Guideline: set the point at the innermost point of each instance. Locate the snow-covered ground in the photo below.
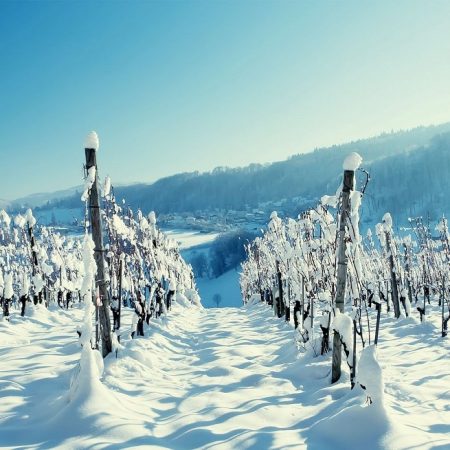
(227, 378)
(227, 286)
(189, 239)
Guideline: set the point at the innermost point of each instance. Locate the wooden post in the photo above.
(444, 321)
(34, 259)
(302, 304)
(120, 295)
(261, 293)
(353, 370)
(280, 309)
(287, 315)
(274, 298)
(297, 310)
(377, 328)
(408, 274)
(97, 236)
(349, 177)
(96, 299)
(394, 286)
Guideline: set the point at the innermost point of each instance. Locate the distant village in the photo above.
(217, 220)
(221, 220)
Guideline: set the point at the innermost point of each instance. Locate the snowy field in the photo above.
(189, 239)
(227, 286)
(226, 378)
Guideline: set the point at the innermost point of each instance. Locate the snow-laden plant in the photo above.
(150, 260)
(370, 375)
(90, 268)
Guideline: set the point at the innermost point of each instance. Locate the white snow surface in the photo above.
(91, 141)
(107, 187)
(226, 378)
(20, 221)
(88, 182)
(227, 286)
(189, 239)
(4, 218)
(370, 374)
(8, 290)
(387, 222)
(352, 161)
(29, 218)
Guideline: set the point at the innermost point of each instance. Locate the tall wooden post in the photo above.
(444, 320)
(377, 327)
(302, 304)
(353, 368)
(287, 315)
(349, 177)
(261, 292)
(394, 285)
(120, 290)
(280, 309)
(97, 236)
(95, 299)
(408, 274)
(34, 259)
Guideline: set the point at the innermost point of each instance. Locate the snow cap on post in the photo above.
(4, 218)
(152, 217)
(8, 292)
(91, 141)
(387, 222)
(352, 162)
(29, 218)
(20, 221)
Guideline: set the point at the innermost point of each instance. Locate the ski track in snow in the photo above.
(224, 378)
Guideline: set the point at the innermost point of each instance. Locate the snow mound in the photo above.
(355, 426)
(193, 297)
(387, 222)
(254, 299)
(370, 375)
(182, 300)
(91, 141)
(85, 383)
(352, 162)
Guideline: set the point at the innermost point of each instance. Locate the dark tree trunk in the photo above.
(6, 303)
(23, 302)
(169, 297)
(280, 305)
(120, 297)
(297, 310)
(394, 286)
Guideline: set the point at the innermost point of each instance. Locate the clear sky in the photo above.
(179, 86)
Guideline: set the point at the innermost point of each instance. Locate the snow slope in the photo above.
(227, 286)
(189, 239)
(227, 378)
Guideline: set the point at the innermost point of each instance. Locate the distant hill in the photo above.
(409, 170)
(43, 198)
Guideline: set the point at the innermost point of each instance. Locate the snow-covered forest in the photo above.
(341, 340)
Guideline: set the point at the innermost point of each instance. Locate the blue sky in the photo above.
(179, 86)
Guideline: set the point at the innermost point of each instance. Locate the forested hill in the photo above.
(409, 170)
